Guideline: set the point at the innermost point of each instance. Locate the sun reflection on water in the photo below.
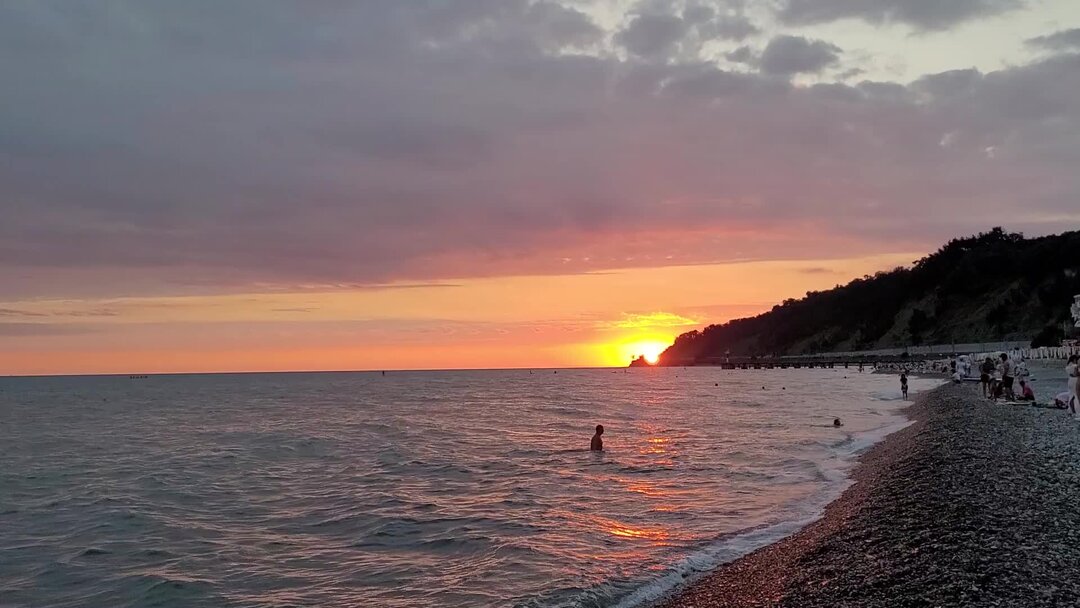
(647, 489)
(646, 533)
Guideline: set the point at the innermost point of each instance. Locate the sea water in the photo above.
(455, 489)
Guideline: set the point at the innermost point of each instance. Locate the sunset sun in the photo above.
(649, 349)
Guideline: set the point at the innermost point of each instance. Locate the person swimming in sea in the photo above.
(836, 422)
(597, 444)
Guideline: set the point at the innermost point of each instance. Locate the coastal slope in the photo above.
(990, 287)
(973, 505)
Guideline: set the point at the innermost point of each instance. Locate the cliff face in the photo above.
(992, 286)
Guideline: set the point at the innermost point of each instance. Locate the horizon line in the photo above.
(314, 371)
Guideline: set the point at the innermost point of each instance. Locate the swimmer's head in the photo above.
(836, 422)
(599, 429)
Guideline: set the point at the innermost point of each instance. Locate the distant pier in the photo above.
(913, 355)
(809, 362)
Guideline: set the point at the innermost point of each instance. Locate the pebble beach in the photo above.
(974, 504)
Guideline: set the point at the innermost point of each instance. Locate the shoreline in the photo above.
(761, 577)
(970, 504)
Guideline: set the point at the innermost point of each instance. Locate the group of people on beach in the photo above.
(998, 378)
(998, 375)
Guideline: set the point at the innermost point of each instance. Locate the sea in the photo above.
(438, 488)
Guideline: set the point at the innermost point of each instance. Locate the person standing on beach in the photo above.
(1072, 370)
(903, 384)
(1008, 372)
(987, 372)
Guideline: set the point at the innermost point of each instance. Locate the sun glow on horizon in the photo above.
(621, 351)
(604, 320)
(650, 349)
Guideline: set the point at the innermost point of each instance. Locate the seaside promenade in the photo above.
(1017, 350)
(974, 504)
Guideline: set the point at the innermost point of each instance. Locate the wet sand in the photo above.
(972, 505)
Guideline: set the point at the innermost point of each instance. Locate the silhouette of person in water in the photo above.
(597, 444)
(836, 422)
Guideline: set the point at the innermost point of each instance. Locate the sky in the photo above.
(378, 184)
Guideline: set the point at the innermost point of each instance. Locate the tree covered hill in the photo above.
(992, 286)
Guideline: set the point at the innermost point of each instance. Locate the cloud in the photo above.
(23, 330)
(1065, 40)
(698, 13)
(91, 312)
(786, 55)
(652, 320)
(742, 54)
(661, 34)
(563, 27)
(73, 312)
(16, 312)
(734, 27)
(652, 35)
(949, 84)
(919, 14)
(146, 147)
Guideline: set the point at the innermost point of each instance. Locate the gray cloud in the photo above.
(150, 146)
(698, 13)
(651, 35)
(17, 312)
(817, 270)
(22, 330)
(735, 27)
(786, 55)
(920, 14)
(74, 313)
(743, 54)
(949, 84)
(1058, 41)
(92, 312)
